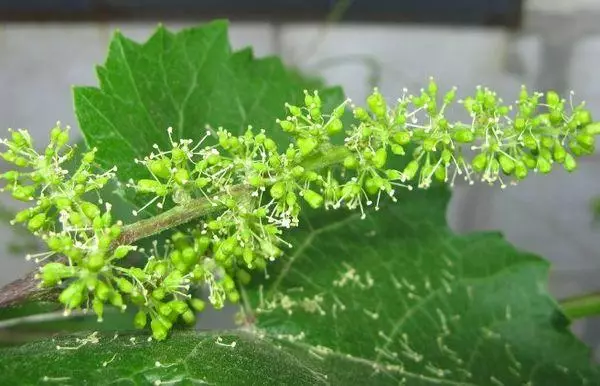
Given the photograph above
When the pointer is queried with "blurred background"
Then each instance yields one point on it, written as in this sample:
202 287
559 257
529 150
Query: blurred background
46 47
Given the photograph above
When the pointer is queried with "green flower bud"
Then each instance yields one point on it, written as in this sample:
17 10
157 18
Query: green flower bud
228 245
377 104
294 110
149 186
559 152
54 243
334 126
440 173
450 96
98 308
173 280
159 331
530 142
36 222
179 306
529 160
308 99
397 149
178 155
72 296
182 176
543 165
102 291
213 159
243 277
11 175
260 138
401 137
188 317
270 145
291 153
411 170
298 171
121 251
361 114
140 319
269 249
62 139
366 131
274 161
480 162
116 299
556 116
23 215
24 193
159 293
570 164
592 129
314 199
62 203
164 309
552 98
585 140
95 261
432 88
75 219
52 273
278 190
520 123
583 117
380 158
306 145
233 296
315 113
21 138
520 170
197 304
290 198
372 185
248 256
90 210
506 163
160 167
201 182
287 126
463 136
429 144
393 174
124 285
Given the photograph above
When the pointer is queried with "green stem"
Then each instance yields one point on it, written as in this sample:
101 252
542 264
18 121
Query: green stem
581 306
201 207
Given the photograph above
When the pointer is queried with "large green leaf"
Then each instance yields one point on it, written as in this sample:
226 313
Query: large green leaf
393 299
186 81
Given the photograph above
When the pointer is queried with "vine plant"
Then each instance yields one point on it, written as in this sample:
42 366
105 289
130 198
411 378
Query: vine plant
248 192
226 201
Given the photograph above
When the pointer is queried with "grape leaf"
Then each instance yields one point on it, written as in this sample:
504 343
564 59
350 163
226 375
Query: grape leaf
183 80
392 299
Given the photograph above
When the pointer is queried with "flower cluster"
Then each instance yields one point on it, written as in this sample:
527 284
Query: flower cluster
74 228
243 191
